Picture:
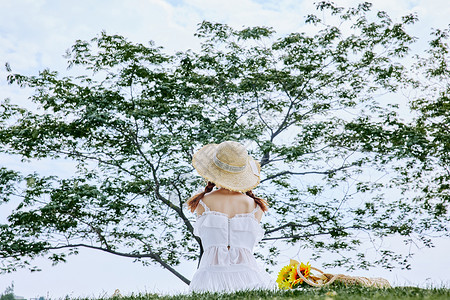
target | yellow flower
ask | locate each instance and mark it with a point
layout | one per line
(294, 279)
(283, 277)
(285, 285)
(331, 293)
(288, 277)
(305, 269)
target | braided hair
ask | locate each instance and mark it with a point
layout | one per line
(261, 202)
(194, 200)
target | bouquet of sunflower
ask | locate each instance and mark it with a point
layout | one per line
(295, 274)
(288, 277)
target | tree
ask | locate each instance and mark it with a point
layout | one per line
(306, 106)
(8, 294)
(430, 130)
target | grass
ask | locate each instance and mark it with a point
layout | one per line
(335, 293)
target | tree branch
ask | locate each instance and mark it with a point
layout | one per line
(295, 236)
(95, 158)
(290, 224)
(298, 236)
(259, 114)
(306, 172)
(151, 255)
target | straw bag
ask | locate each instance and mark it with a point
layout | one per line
(327, 279)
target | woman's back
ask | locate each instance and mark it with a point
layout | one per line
(229, 203)
(228, 229)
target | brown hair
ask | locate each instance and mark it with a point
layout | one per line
(261, 202)
(194, 200)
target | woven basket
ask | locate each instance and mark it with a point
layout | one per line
(325, 279)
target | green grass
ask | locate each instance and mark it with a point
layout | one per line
(335, 293)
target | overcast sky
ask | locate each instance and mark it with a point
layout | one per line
(34, 34)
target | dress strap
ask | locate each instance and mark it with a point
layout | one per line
(204, 205)
(255, 210)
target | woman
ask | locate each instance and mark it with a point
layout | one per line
(228, 220)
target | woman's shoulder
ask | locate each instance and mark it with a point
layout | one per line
(235, 196)
(220, 197)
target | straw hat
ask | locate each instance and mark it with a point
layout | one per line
(228, 165)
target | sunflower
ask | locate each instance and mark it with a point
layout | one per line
(305, 269)
(283, 277)
(294, 279)
(288, 277)
(285, 285)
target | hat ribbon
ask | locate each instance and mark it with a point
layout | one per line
(227, 167)
(254, 167)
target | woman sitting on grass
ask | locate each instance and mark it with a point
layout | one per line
(228, 220)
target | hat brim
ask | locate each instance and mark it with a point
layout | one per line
(243, 181)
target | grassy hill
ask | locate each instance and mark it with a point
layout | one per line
(335, 293)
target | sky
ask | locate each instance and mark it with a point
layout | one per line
(34, 34)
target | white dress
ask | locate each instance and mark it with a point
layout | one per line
(228, 264)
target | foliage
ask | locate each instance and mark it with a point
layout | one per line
(8, 294)
(306, 105)
(431, 127)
